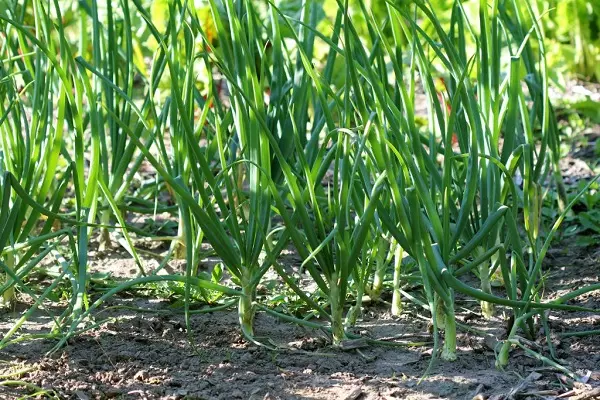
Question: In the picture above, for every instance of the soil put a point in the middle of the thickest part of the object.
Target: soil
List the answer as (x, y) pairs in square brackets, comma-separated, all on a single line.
[(138, 355)]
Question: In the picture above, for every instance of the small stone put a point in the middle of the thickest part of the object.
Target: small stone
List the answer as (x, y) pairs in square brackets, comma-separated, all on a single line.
[(491, 342), (354, 394), (81, 396), (141, 375)]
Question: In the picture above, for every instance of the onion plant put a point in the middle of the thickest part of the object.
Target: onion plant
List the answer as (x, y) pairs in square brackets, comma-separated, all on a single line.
[(382, 252), (396, 293), (62, 141), (231, 209), (30, 144), (112, 53), (333, 235), (447, 213)]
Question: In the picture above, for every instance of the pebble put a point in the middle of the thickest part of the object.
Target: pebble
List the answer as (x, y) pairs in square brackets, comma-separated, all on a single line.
[(141, 375)]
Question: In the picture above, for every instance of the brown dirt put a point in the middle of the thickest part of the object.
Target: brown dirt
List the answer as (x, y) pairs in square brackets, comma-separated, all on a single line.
[(149, 356)]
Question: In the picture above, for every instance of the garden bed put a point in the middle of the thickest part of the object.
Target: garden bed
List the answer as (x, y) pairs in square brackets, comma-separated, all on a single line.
[(149, 355)]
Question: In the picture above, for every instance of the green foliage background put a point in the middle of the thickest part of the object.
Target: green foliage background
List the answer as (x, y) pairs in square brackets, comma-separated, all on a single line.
[(571, 27)]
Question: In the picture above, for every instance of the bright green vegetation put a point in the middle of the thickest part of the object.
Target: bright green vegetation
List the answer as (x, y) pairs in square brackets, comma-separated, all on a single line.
[(270, 127)]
